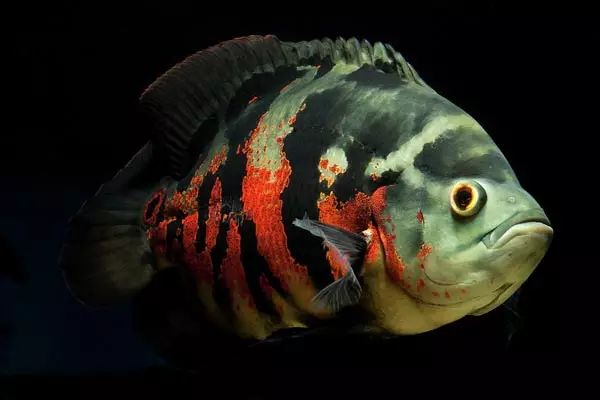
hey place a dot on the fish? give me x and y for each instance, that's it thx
(288, 183)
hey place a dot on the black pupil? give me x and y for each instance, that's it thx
(463, 198)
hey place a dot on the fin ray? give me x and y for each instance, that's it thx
(350, 246)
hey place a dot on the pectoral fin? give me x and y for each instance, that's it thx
(350, 246)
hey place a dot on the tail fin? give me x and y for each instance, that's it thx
(106, 256)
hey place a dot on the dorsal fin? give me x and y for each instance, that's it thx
(176, 104)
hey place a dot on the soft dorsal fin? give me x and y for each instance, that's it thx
(176, 104)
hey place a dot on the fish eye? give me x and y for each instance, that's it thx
(467, 198)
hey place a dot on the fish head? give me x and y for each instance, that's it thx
(459, 233)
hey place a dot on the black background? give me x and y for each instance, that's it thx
(75, 77)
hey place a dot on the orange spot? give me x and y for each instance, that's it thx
(447, 294)
(281, 124)
(252, 100)
(424, 252)
(336, 169)
(435, 294)
(420, 217)
(421, 284)
(422, 266)
(394, 264)
(323, 163)
(374, 176)
(303, 107)
(292, 119)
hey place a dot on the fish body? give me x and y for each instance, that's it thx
(287, 181)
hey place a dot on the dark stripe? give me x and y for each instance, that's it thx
(254, 266)
(326, 65)
(448, 157)
(203, 203)
(220, 291)
(174, 230)
(310, 139)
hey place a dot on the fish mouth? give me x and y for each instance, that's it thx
(521, 223)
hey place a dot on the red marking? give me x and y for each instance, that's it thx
(303, 107)
(252, 100)
(335, 169)
(187, 202)
(323, 163)
(200, 264)
(158, 198)
(422, 266)
(158, 237)
(261, 196)
(447, 294)
(292, 119)
(420, 217)
(421, 284)
(232, 269)
(394, 264)
(353, 215)
(280, 124)
(424, 252)
(373, 253)
(374, 176)
(435, 294)
(219, 159)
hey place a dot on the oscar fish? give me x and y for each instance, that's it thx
(289, 181)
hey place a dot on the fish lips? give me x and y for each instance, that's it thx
(521, 223)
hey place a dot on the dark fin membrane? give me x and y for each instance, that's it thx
(175, 106)
(106, 256)
(350, 246)
(169, 318)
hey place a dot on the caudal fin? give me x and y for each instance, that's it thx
(106, 256)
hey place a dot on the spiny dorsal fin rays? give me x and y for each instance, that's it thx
(349, 246)
(176, 104)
